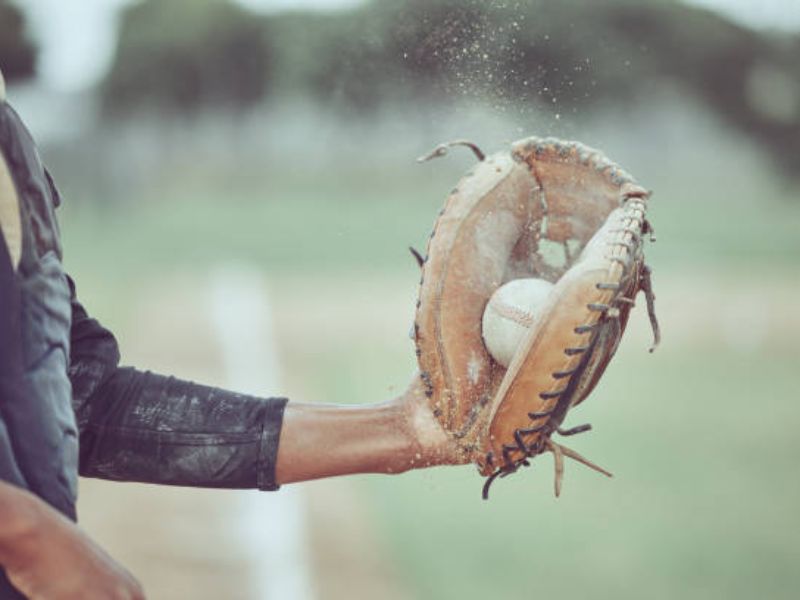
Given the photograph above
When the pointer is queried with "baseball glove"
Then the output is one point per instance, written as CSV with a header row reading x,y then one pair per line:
x,y
550,214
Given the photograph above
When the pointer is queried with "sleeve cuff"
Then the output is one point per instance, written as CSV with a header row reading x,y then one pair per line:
x,y
268,449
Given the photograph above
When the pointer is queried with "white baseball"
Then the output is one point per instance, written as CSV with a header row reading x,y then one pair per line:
x,y
510,312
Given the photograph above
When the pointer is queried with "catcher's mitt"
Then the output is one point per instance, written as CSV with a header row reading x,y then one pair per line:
x,y
551,210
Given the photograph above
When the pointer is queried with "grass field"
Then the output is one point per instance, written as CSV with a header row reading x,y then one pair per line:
x,y
703,504
701,435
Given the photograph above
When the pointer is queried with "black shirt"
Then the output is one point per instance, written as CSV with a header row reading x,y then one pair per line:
x,y
140,426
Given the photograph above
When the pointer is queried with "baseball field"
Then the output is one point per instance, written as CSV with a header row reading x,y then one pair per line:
x,y
701,436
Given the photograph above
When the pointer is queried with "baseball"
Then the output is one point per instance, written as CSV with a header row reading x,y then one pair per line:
x,y
510,312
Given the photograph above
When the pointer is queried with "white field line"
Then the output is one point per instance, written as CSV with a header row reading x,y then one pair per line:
x,y
272,525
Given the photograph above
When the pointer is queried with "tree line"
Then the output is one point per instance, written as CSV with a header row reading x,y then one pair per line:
x,y
179,56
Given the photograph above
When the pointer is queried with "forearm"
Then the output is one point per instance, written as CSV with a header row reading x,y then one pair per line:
x,y
47,556
20,517
21,525
323,441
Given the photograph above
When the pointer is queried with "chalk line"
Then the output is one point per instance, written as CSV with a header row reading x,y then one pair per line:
x,y
273,527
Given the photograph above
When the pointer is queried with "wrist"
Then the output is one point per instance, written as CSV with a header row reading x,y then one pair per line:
x,y
431,445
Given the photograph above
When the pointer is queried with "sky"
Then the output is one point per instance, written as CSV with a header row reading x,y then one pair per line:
x,y
77,38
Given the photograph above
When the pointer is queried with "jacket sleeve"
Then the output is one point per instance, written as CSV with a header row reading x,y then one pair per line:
x,y
140,426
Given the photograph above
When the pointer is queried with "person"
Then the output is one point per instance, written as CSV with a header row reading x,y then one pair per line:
x,y
67,407
43,553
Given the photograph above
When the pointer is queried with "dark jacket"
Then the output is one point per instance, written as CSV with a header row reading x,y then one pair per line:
x,y
129,425
13,389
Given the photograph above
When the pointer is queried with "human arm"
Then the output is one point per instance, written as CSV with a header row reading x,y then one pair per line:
x,y
41,552
320,440
47,557
139,426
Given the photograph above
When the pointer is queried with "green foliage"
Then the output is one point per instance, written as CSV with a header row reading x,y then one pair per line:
x,y
719,62
182,55
568,56
17,52
338,58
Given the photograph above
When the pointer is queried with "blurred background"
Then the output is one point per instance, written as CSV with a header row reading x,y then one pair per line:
x,y
240,191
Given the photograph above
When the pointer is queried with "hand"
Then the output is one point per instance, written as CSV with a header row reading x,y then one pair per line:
x,y
46,557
